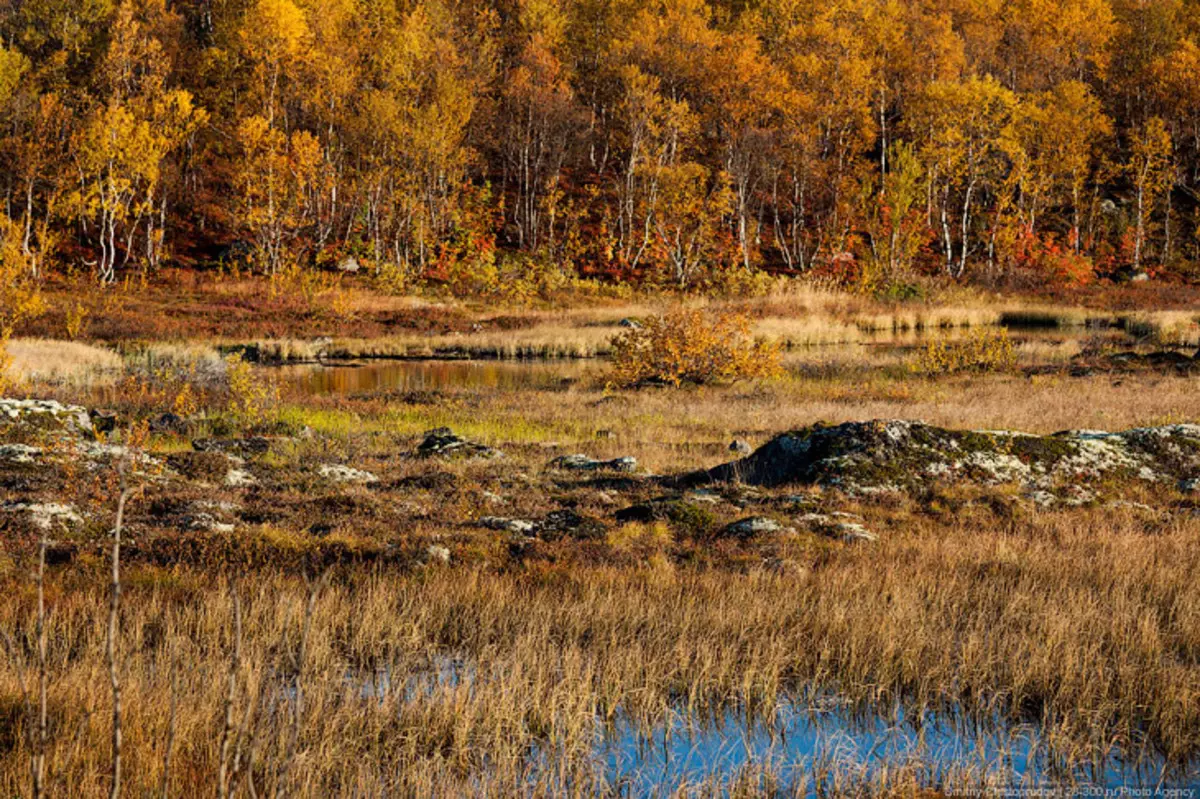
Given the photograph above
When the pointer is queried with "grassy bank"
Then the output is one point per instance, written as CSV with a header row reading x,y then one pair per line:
x,y
355,320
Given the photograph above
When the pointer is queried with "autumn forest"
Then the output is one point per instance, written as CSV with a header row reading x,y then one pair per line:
x,y
673,143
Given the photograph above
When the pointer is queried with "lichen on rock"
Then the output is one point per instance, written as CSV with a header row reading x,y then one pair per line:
x,y
901,455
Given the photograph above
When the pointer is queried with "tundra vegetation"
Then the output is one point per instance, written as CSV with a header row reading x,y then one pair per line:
x,y
462,587
865,395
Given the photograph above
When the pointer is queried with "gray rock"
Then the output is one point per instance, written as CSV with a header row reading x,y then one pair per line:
x,y
245,447
584,463
519,526
740,447
49,414
239,478
19,453
630,322
45,515
750,527
841,526
438,553
444,443
346,474
898,455
349,264
1189,485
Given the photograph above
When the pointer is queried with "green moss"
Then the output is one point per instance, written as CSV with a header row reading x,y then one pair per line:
x,y
691,520
1046,450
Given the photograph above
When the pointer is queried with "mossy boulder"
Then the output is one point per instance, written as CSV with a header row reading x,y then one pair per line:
x,y
862,457
42,416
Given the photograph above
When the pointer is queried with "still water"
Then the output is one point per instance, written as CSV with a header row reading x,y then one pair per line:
x,y
814,745
431,375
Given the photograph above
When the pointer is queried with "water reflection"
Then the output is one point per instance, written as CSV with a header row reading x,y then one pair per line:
x,y
808,744
813,744
431,375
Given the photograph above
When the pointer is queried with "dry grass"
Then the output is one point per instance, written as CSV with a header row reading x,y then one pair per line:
x,y
69,362
445,682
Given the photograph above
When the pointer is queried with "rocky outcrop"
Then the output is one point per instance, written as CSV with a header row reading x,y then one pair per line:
x,y
47,415
894,455
45,515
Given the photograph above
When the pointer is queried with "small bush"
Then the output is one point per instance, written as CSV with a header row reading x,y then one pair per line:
x,y
981,351
691,346
250,396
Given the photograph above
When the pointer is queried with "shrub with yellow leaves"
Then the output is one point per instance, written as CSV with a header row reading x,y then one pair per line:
x,y
250,396
980,351
692,346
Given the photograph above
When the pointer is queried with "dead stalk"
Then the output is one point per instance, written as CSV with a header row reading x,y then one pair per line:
x,y
170,742
298,703
235,657
38,757
114,609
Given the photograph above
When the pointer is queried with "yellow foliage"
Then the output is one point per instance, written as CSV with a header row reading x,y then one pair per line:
x,y
692,346
250,396
6,382
20,298
980,351
76,317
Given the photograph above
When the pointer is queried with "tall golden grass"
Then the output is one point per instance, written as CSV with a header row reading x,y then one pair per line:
x,y
445,682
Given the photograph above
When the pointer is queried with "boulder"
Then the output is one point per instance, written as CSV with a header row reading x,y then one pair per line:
x,y
47,415
349,264
841,526
896,455
168,423
519,526
444,443
338,473
45,515
19,453
584,463
103,420
740,447
750,527
681,514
